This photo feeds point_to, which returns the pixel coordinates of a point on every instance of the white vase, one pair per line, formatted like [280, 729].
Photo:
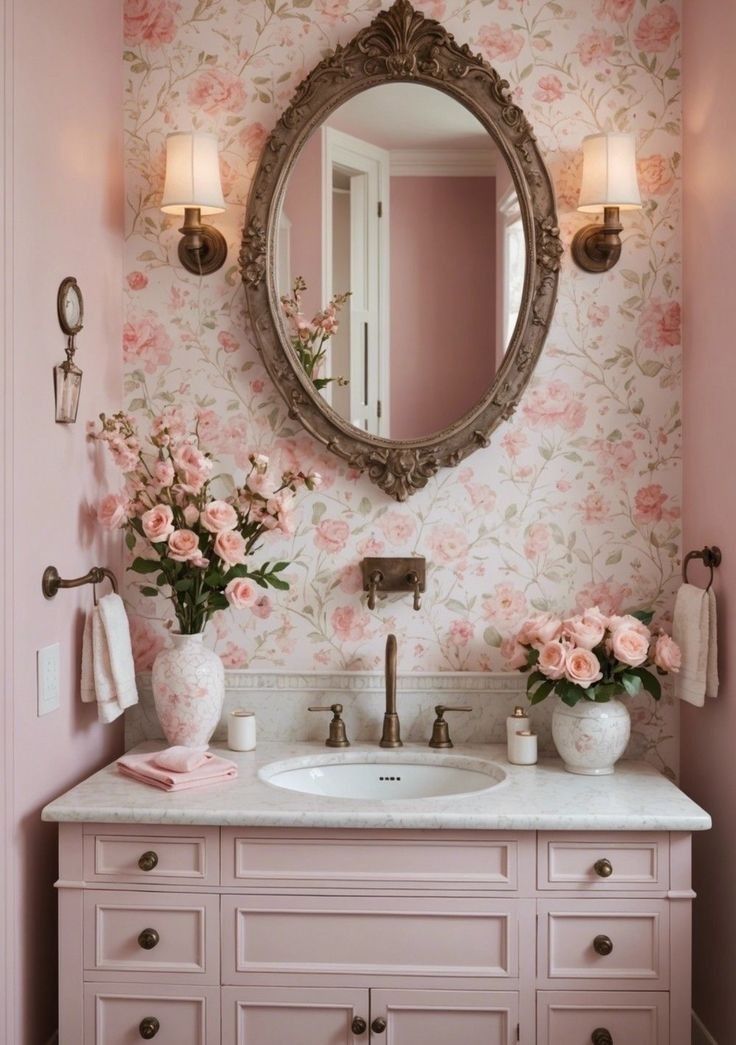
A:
[188, 690]
[589, 737]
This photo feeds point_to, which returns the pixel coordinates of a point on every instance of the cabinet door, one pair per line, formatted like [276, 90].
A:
[443, 1017]
[294, 1016]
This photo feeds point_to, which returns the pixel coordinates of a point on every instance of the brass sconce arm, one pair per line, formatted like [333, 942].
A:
[202, 248]
[597, 248]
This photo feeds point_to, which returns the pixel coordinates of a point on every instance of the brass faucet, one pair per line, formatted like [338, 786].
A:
[391, 736]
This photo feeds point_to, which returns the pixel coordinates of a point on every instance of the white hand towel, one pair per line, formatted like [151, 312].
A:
[87, 681]
[694, 631]
[120, 651]
[711, 673]
[108, 708]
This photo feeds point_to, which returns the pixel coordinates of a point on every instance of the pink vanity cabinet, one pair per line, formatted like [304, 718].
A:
[190, 935]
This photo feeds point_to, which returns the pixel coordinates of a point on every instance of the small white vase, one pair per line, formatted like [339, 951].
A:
[589, 737]
[188, 690]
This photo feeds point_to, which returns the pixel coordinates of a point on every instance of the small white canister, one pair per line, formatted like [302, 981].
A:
[523, 749]
[241, 730]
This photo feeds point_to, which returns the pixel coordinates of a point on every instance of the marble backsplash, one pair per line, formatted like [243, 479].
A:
[280, 700]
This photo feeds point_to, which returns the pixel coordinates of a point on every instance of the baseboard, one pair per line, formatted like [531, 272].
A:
[701, 1036]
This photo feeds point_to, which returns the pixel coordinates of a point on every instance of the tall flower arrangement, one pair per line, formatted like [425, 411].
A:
[592, 656]
[199, 545]
[309, 338]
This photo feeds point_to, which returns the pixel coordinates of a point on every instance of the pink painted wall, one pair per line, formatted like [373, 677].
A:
[303, 207]
[708, 767]
[67, 207]
[442, 299]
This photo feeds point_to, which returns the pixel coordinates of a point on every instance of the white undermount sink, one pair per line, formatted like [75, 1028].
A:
[384, 775]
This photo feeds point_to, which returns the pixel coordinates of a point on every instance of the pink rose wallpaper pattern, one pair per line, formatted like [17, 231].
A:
[576, 500]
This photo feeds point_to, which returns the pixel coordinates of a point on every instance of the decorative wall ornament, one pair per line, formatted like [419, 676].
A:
[402, 45]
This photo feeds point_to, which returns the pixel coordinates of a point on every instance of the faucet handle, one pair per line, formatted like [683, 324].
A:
[440, 731]
[337, 735]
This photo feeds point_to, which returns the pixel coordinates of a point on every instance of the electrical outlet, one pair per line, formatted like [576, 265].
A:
[47, 676]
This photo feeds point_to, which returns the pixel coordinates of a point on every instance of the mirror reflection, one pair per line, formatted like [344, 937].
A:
[400, 260]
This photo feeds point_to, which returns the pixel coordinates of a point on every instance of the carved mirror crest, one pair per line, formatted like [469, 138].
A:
[401, 251]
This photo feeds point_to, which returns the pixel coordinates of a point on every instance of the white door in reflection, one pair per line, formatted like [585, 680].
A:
[356, 257]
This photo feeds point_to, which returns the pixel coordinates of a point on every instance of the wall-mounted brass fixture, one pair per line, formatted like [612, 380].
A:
[51, 582]
[609, 185]
[384, 575]
[193, 188]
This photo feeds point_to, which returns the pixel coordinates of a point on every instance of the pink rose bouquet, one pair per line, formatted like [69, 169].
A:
[308, 338]
[199, 544]
[591, 656]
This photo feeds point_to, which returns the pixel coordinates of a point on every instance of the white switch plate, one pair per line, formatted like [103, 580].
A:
[47, 675]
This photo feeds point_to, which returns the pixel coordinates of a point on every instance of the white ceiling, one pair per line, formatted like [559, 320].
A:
[412, 116]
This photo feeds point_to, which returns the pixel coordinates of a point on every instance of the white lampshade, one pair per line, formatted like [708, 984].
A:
[609, 173]
[192, 174]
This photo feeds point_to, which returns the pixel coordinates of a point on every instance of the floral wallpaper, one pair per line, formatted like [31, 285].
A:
[577, 499]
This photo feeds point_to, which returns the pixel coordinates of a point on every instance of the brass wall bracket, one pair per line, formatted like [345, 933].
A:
[384, 575]
[51, 582]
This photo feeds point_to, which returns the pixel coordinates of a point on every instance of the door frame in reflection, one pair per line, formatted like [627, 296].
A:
[367, 167]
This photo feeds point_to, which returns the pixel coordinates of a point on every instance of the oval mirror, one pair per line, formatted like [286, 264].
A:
[401, 252]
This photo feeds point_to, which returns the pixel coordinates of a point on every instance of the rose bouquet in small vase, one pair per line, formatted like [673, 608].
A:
[309, 338]
[198, 550]
[588, 661]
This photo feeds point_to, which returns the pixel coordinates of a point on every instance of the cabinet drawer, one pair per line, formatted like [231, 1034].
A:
[155, 935]
[182, 1015]
[186, 856]
[613, 940]
[571, 1018]
[417, 860]
[598, 861]
[328, 936]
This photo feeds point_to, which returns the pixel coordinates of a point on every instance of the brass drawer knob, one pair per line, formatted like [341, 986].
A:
[148, 861]
[601, 1036]
[603, 868]
[149, 1027]
[379, 1025]
[603, 945]
[359, 1026]
[148, 939]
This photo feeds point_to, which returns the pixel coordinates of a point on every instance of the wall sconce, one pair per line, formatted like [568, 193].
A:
[67, 375]
[192, 187]
[609, 185]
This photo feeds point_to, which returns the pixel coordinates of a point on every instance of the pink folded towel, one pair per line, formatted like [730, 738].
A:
[181, 759]
[214, 770]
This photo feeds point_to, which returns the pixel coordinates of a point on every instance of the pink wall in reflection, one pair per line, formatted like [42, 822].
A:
[708, 766]
[442, 299]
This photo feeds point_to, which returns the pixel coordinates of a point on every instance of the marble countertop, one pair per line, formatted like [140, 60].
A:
[531, 798]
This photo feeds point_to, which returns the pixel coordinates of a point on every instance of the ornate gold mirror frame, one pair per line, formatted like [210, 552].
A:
[401, 45]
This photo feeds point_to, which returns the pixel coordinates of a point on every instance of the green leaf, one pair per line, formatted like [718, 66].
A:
[491, 637]
[150, 592]
[533, 679]
[185, 584]
[277, 583]
[542, 692]
[645, 616]
[130, 541]
[140, 565]
[631, 683]
[649, 681]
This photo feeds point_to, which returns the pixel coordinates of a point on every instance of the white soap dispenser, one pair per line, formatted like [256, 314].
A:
[516, 723]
